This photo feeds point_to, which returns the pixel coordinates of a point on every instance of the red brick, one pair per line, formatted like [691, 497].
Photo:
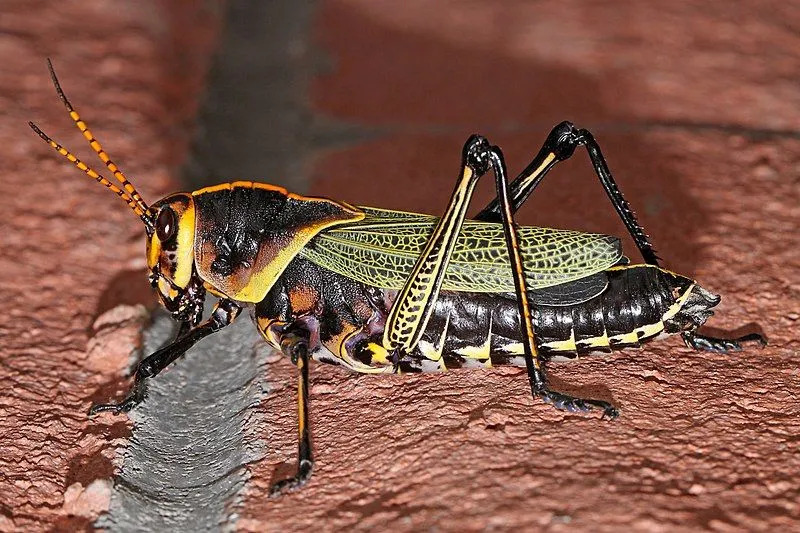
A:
[509, 64]
[66, 241]
[705, 441]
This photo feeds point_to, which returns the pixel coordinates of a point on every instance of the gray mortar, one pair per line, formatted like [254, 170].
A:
[185, 465]
[186, 462]
[256, 122]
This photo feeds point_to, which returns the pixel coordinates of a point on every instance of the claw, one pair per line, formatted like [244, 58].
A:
[574, 405]
[116, 408]
[291, 484]
[706, 343]
[133, 399]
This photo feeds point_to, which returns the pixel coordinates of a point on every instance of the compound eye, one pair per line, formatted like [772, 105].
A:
[166, 224]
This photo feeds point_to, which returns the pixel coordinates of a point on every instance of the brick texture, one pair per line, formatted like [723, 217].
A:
[71, 251]
[696, 107]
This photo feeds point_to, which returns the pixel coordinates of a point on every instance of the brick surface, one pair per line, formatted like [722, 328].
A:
[510, 62]
[695, 105]
[71, 252]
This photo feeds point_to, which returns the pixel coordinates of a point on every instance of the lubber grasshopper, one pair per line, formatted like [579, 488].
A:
[381, 291]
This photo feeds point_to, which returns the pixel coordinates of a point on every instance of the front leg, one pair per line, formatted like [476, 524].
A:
[223, 314]
[294, 343]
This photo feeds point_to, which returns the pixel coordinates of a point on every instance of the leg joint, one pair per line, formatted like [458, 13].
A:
[476, 154]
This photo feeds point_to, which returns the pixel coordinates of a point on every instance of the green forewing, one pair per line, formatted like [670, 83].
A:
[381, 251]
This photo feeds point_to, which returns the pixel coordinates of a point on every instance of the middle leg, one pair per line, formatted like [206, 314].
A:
[294, 343]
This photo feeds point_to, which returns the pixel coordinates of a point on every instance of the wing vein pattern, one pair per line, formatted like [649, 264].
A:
[381, 250]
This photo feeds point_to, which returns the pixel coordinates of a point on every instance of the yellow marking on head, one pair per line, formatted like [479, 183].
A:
[179, 270]
[153, 251]
[185, 250]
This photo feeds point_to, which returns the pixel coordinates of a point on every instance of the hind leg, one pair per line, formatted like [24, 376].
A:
[560, 145]
[707, 343]
[415, 303]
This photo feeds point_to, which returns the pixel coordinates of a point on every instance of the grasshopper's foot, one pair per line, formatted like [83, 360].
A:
[133, 399]
[707, 343]
[293, 483]
[565, 402]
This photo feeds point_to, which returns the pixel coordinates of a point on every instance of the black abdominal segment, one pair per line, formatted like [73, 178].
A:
[480, 329]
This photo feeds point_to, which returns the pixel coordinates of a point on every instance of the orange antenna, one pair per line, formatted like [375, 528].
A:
[112, 167]
[132, 203]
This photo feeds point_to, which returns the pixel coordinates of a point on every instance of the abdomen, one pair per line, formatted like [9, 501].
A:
[482, 329]
[639, 303]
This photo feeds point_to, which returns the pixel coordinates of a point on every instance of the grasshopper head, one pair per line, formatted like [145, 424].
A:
[169, 224]
[170, 257]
